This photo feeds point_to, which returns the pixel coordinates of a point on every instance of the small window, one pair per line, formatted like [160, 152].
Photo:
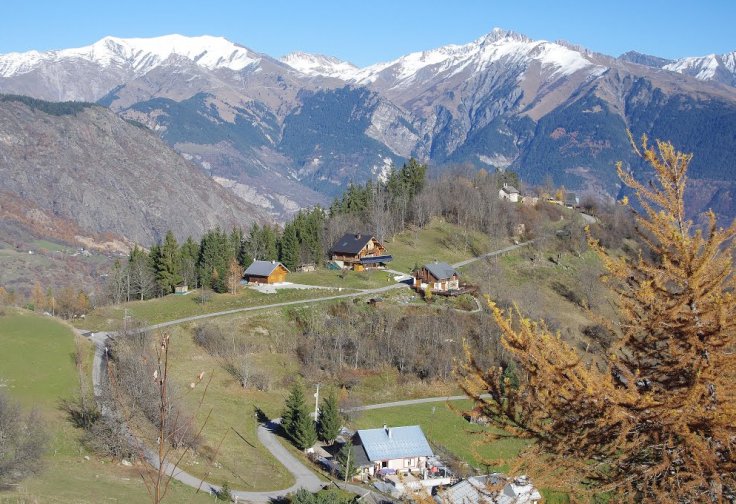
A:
[408, 462]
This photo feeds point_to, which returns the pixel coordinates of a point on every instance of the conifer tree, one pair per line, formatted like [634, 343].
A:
[328, 425]
[654, 420]
[304, 432]
[289, 247]
[292, 408]
[168, 264]
[346, 461]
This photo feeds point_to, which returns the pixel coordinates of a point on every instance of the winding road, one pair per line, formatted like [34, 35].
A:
[303, 476]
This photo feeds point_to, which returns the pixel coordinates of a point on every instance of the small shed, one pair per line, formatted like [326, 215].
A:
[266, 272]
[181, 290]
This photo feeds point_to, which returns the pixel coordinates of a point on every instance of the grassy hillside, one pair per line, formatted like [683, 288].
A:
[36, 370]
[438, 240]
[172, 307]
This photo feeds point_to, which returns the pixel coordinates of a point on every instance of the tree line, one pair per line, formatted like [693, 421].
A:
[218, 260]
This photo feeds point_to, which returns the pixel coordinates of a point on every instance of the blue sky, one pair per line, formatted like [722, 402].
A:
[378, 30]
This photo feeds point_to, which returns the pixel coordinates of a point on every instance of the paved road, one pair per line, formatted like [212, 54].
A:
[366, 292]
[492, 254]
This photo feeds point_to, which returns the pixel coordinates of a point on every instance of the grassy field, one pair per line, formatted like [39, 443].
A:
[439, 240]
[342, 279]
[231, 450]
[447, 431]
[37, 371]
[172, 307]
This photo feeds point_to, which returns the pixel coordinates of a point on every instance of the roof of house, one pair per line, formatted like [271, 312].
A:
[440, 270]
[389, 443]
[263, 268]
[376, 259]
[510, 189]
[351, 243]
[480, 489]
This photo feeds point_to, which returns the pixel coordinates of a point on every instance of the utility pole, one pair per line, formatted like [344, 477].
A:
[347, 464]
[316, 404]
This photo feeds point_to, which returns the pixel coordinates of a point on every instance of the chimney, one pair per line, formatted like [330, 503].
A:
[273, 261]
[388, 430]
[357, 236]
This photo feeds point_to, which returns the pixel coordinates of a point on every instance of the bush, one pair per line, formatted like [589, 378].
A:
[600, 334]
[569, 294]
[22, 442]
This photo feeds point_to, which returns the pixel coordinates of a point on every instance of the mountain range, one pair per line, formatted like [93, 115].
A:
[293, 132]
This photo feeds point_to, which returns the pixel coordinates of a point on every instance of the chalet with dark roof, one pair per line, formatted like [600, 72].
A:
[438, 276]
[359, 252]
[266, 272]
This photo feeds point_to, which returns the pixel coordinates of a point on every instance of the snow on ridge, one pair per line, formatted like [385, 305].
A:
[138, 54]
[320, 65]
[704, 67]
[479, 55]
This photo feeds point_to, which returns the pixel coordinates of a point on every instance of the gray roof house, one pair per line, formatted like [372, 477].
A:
[490, 489]
[391, 449]
[438, 276]
[266, 272]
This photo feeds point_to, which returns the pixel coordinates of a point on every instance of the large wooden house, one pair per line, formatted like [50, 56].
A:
[438, 276]
[266, 272]
[359, 252]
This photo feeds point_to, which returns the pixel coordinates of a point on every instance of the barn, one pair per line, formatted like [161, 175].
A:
[266, 272]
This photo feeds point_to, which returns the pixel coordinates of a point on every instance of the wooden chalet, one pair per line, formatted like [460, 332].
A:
[438, 276]
[359, 252]
[266, 272]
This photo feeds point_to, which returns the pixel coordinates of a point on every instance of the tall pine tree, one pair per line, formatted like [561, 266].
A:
[294, 404]
[168, 264]
[328, 425]
[289, 247]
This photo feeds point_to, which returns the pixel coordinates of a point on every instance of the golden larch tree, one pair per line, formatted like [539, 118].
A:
[654, 420]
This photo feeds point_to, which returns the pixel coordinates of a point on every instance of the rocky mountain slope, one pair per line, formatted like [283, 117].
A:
[83, 164]
[293, 132]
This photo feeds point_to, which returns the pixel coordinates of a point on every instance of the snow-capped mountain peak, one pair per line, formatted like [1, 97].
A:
[138, 54]
[499, 47]
[716, 67]
[320, 65]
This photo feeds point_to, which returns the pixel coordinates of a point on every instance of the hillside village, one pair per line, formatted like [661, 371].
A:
[498, 271]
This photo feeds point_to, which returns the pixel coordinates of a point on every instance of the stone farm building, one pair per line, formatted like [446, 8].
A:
[266, 272]
[359, 251]
[438, 276]
[389, 450]
[509, 192]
